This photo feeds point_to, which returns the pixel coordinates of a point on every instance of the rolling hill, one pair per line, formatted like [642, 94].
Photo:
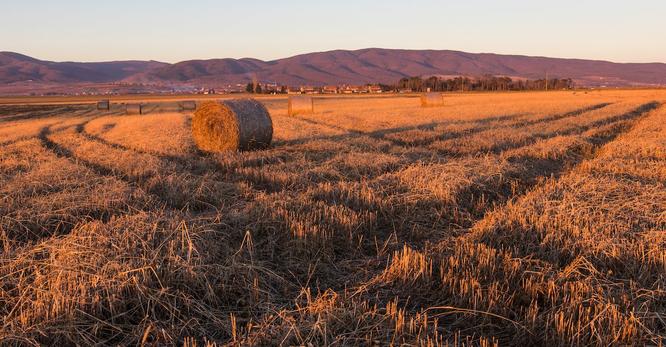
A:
[16, 67]
[334, 67]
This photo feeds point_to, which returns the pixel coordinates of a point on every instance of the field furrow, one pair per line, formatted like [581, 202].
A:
[498, 219]
[168, 183]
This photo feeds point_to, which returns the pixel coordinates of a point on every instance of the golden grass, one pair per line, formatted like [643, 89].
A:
[497, 219]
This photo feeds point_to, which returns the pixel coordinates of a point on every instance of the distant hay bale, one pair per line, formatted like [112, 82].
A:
[103, 105]
[188, 105]
[300, 105]
[131, 109]
[240, 124]
[432, 99]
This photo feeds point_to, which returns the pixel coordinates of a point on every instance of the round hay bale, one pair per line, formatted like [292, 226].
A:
[188, 105]
[240, 124]
[300, 105]
[103, 105]
[132, 109]
[432, 99]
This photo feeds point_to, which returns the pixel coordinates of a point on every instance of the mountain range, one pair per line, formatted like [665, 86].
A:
[371, 65]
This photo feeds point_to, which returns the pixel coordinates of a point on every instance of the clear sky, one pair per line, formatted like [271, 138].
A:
[171, 31]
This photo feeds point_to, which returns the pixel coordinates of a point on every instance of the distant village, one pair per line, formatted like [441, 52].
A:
[124, 88]
[405, 85]
[274, 88]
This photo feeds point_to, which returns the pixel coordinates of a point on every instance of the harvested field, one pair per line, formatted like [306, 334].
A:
[500, 219]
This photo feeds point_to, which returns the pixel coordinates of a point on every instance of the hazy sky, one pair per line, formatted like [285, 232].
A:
[170, 30]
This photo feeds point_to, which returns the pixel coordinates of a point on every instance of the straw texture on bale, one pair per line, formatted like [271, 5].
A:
[300, 105]
[133, 109]
[432, 99]
[187, 105]
[240, 124]
[103, 105]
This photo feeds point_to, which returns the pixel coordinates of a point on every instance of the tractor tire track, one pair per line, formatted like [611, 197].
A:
[477, 200]
[381, 134]
[264, 182]
[134, 182]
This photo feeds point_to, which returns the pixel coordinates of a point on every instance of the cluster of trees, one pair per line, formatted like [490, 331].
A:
[254, 88]
[485, 83]
[438, 84]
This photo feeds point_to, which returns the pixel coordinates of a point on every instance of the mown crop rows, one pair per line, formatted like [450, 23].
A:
[498, 219]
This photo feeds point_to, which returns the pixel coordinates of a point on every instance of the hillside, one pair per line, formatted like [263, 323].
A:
[333, 67]
[16, 67]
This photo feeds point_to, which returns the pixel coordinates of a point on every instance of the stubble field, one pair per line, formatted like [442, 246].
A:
[498, 219]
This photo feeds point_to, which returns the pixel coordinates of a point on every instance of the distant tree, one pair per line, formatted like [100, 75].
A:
[415, 83]
[255, 83]
[403, 83]
[431, 83]
[483, 83]
[386, 87]
[249, 88]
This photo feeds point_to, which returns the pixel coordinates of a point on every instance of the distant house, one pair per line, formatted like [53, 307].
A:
[346, 89]
[206, 91]
[272, 88]
[359, 89]
[330, 90]
[291, 90]
[234, 89]
[374, 89]
[309, 90]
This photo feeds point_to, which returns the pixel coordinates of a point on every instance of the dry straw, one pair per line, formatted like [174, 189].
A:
[187, 105]
[103, 105]
[132, 109]
[240, 124]
[300, 105]
[432, 99]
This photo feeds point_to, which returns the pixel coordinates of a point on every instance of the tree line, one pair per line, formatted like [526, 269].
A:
[484, 83]
[439, 84]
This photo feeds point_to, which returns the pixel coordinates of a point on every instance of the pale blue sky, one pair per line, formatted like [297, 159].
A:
[170, 30]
